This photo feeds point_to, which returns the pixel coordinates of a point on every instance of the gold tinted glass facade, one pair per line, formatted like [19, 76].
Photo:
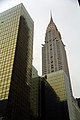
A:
[9, 22]
[57, 81]
[9, 25]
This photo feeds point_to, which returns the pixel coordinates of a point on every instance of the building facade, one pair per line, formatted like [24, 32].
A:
[76, 108]
[34, 72]
[53, 51]
[78, 101]
[55, 67]
[46, 104]
[35, 98]
[16, 46]
[60, 83]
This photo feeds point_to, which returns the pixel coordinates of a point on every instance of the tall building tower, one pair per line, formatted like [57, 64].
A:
[16, 46]
[55, 67]
[53, 51]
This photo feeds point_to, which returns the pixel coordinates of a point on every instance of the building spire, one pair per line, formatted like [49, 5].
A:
[51, 23]
[51, 19]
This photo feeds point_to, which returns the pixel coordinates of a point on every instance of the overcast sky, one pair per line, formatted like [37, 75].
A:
[66, 15]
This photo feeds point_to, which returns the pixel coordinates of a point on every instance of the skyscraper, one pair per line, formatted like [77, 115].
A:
[53, 51]
[16, 46]
[55, 67]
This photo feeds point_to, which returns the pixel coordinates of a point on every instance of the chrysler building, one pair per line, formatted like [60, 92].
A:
[53, 51]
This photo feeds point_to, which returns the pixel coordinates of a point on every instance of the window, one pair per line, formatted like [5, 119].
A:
[2, 22]
[51, 61]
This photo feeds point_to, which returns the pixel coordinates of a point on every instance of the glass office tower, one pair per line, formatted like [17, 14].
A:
[60, 83]
[16, 46]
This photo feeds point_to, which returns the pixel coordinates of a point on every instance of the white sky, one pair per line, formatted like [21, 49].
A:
[66, 15]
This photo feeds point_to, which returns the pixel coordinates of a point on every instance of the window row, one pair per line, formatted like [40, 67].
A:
[8, 34]
[5, 82]
[8, 38]
[6, 76]
[3, 90]
[7, 53]
[58, 86]
[6, 29]
[6, 64]
[8, 44]
[9, 15]
[5, 73]
[4, 96]
[57, 80]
